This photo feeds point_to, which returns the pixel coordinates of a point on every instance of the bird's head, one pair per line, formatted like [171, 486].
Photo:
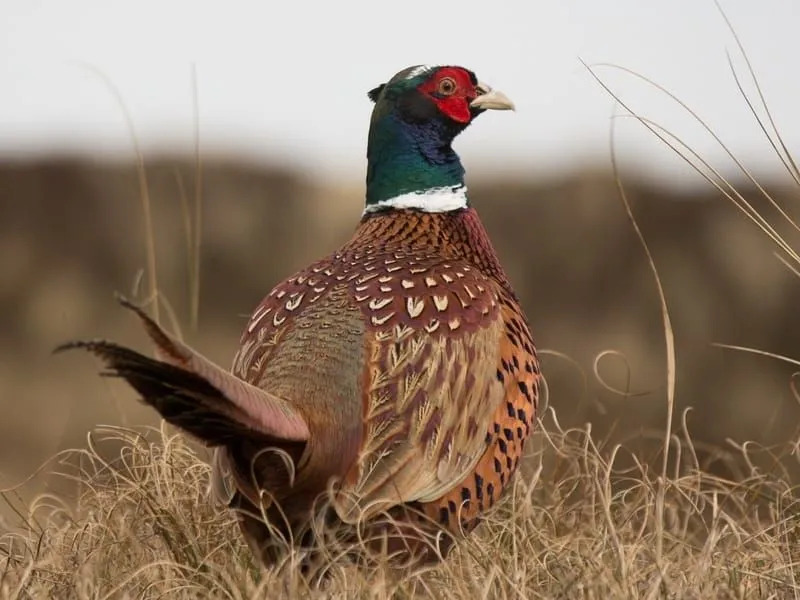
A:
[452, 95]
[417, 114]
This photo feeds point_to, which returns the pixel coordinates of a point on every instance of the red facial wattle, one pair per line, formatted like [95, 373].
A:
[455, 105]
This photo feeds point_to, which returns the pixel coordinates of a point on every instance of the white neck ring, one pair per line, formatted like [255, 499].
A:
[432, 200]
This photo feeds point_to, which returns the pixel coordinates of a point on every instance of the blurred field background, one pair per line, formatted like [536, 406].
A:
[72, 231]
[72, 235]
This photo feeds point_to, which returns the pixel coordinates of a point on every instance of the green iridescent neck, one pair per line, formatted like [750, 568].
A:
[404, 159]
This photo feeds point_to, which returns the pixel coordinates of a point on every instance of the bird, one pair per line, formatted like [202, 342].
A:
[393, 382]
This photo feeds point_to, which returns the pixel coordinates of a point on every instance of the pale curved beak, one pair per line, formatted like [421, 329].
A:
[489, 99]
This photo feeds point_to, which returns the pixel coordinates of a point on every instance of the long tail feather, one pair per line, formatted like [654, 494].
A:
[193, 393]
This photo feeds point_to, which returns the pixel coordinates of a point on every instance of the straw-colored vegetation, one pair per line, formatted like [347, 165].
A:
[586, 522]
[583, 520]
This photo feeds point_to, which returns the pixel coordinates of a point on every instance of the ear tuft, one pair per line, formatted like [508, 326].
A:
[375, 93]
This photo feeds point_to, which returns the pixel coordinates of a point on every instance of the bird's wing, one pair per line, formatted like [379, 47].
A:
[433, 346]
[517, 368]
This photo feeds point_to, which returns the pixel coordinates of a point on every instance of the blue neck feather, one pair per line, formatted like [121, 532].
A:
[405, 157]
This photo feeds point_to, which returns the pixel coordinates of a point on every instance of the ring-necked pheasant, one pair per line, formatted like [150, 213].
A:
[396, 377]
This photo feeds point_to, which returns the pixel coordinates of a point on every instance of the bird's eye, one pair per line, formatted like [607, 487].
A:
[447, 86]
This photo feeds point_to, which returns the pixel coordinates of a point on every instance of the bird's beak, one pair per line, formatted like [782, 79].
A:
[489, 99]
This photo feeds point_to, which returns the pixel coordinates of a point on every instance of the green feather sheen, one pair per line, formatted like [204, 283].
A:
[407, 155]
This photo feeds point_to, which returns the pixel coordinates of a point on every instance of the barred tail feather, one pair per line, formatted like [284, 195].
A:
[193, 393]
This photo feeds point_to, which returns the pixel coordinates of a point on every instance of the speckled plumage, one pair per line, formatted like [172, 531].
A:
[420, 321]
[396, 376]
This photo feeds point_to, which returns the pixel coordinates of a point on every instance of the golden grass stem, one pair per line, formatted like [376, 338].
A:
[144, 191]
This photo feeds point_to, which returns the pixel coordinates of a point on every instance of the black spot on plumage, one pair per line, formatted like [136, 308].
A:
[502, 445]
[512, 338]
[520, 433]
[521, 415]
[405, 230]
[509, 463]
[490, 491]
[466, 495]
[497, 466]
[500, 377]
[504, 363]
[497, 427]
[451, 506]
[516, 362]
[478, 487]
[489, 437]
[444, 516]
[529, 367]
[509, 434]
[510, 408]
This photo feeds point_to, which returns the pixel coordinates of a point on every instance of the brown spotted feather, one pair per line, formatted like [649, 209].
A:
[413, 326]
[398, 373]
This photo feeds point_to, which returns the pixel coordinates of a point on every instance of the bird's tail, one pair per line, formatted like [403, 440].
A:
[193, 393]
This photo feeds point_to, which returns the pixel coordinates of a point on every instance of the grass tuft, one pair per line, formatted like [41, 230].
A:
[586, 521]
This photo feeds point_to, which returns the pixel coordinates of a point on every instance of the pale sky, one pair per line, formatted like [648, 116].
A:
[287, 80]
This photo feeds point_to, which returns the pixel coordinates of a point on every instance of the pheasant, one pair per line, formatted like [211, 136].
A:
[394, 381]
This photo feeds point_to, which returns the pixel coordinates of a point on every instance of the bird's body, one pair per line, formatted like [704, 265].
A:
[397, 376]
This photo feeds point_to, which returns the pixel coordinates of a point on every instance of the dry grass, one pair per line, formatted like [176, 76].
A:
[583, 523]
